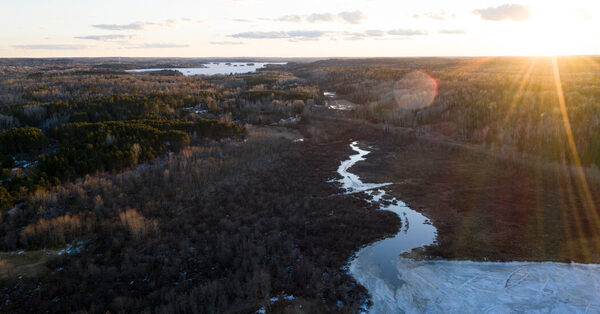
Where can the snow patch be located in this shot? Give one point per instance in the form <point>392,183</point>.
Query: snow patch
<point>402,285</point>
<point>466,286</point>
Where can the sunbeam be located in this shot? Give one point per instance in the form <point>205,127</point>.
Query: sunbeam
<point>581,181</point>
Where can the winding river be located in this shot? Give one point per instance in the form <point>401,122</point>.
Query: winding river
<point>403,285</point>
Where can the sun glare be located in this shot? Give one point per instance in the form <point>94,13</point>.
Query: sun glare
<point>553,31</point>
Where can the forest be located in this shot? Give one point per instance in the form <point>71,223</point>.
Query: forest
<point>159,192</point>
<point>505,103</point>
<point>61,121</point>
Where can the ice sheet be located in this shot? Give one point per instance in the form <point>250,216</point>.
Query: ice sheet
<point>400,285</point>
<point>466,287</point>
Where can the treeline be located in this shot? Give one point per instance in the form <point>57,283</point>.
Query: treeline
<point>22,140</point>
<point>82,148</point>
<point>57,82</point>
<point>104,146</point>
<point>505,103</point>
<point>97,109</point>
<point>242,105</point>
<point>63,95</point>
<point>199,128</point>
<point>256,95</point>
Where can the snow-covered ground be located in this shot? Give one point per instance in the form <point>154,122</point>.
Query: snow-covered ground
<point>400,285</point>
<point>489,287</point>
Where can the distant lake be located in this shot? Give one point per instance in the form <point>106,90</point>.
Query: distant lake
<point>213,68</point>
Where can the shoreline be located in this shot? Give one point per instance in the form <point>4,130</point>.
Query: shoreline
<point>486,208</point>
<point>461,191</point>
<point>399,283</point>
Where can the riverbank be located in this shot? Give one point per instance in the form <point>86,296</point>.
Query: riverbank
<point>400,284</point>
<point>488,208</point>
<point>375,265</point>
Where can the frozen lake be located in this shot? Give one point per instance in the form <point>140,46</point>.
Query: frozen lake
<point>402,285</point>
<point>217,68</point>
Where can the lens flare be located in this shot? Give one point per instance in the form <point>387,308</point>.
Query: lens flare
<point>415,90</point>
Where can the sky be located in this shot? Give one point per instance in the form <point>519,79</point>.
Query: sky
<point>307,28</point>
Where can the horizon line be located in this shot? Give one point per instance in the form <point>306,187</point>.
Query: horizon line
<point>326,57</point>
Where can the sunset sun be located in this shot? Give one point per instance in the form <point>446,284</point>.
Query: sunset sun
<point>554,31</point>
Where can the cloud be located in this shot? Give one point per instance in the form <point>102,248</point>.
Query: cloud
<point>407,32</point>
<point>350,17</point>
<point>156,45</point>
<point>438,15</point>
<point>113,37</point>
<point>452,31</point>
<point>515,12</point>
<point>260,35</point>
<point>441,15</point>
<point>226,43</point>
<point>435,16</point>
<point>170,23</point>
<point>290,18</point>
<point>372,33</point>
<point>50,47</point>
<point>320,17</point>
<point>189,20</point>
<point>140,26</point>
<point>354,17</point>
<point>242,20</point>
<point>306,34</point>
<point>292,35</point>
<point>318,34</point>
<point>126,27</point>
